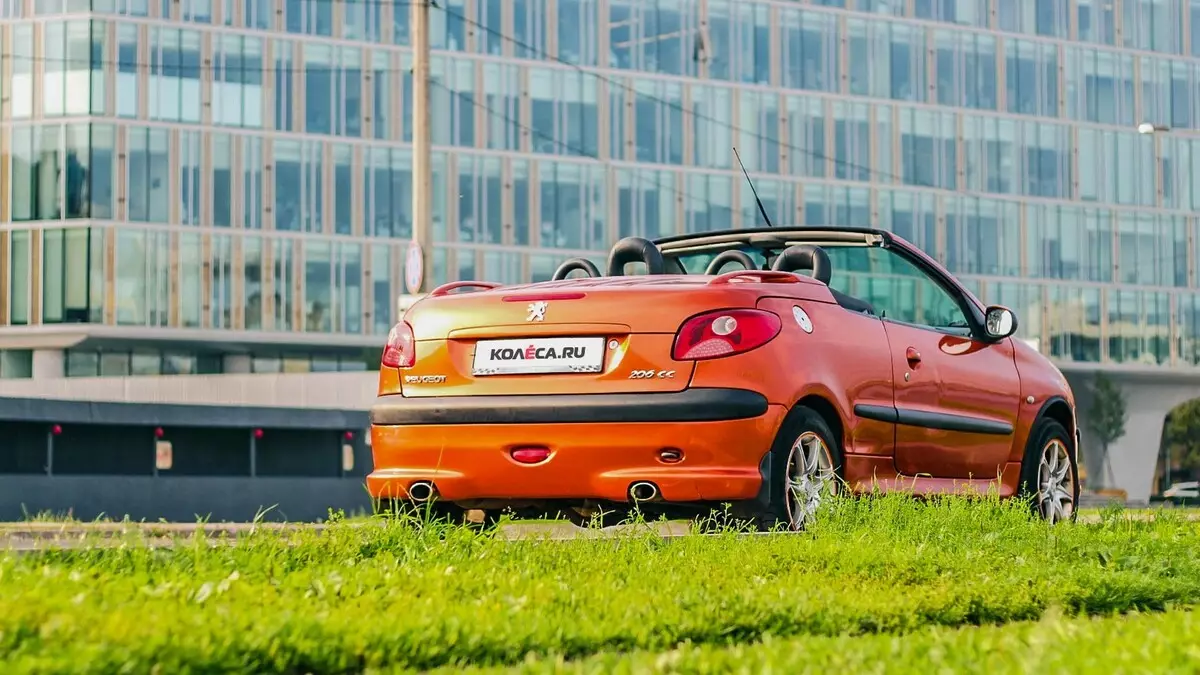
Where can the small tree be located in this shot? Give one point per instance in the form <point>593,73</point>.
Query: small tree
<point>1107,415</point>
<point>1183,437</point>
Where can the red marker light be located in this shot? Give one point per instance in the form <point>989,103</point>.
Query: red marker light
<point>530,455</point>
<point>56,429</point>
<point>158,432</point>
<point>258,433</point>
<point>349,435</point>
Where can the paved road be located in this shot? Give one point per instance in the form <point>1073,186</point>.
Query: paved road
<point>33,537</point>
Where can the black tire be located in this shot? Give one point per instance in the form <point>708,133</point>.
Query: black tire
<point>1045,432</point>
<point>799,422</point>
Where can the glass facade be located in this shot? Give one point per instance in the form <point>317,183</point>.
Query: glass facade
<point>245,164</point>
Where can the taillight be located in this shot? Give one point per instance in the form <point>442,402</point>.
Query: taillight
<point>724,333</point>
<point>401,349</point>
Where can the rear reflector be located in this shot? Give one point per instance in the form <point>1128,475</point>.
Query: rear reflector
<point>530,455</point>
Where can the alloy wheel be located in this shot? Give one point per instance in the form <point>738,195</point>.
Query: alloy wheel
<point>1056,482</point>
<point>809,476</point>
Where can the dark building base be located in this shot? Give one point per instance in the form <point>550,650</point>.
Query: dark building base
<point>180,500</point>
<point>179,463</point>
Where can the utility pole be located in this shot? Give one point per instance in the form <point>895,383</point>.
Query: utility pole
<point>422,158</point>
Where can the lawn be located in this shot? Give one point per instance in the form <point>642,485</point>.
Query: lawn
<point>876,585</point>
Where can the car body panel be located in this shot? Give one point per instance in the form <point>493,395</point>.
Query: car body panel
<point>587,461</point>
<point>1042,387</point>
<point>956,405</point>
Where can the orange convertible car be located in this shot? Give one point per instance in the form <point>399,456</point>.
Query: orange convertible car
<point>755,367</point>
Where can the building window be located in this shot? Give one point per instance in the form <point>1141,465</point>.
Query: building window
<point>16,364</point>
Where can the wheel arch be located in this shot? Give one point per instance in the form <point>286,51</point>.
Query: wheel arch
<point>827,411</point>
<point>1057,409</point>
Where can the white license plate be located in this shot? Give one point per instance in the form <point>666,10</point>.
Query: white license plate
<point>539,356</point>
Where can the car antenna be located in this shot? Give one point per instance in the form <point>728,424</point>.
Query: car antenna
<point>761,209</point>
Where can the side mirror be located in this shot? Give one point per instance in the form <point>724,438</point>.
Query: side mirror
<point>1000,322</point>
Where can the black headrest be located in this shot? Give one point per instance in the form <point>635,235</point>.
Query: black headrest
<point>635,249</point>
<point>805,256</point>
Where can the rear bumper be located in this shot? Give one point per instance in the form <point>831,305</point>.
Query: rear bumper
<point>689,405</point>
<point>469,460</point>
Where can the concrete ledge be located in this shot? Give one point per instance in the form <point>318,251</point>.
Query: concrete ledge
<point>336,391</point>
<point>177,415</point>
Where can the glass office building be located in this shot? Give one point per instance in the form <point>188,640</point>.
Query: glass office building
<point>241,168</point>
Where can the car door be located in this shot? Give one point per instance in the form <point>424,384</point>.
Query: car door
<point>956,397</point>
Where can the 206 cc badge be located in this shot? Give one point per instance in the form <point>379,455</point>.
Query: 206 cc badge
<point>802,319</point>
<point>537,311</point>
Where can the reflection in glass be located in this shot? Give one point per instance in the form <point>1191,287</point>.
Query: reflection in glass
<point>758,142</point>
<point>502,116</point>
<point>712,127</point>
<point>23,58</point>
<point>252,183</point>
<point>529,29</point>
<point>148,175</point>
<point>220,156</point>
<point>100,170</point>
<point>577,35</point>
<point>521,187</point>
<point>220,284</point>
<point>381,289</point>
<point>318,290</point>
<point>387,190</point>
<point>66,275</point>
<point>142,277</point>
<point>1138,327</point>
<point>1188,328</point>
<point>807,127</point>
<point>285,87</point>
<point>298,186</point>
<point>189,178</point>
<point>237,88</point>
<point>252,283</point>
<point>66,82</point>
<point>349,277</point>
<point>128,84</point>
<point>20,280</point>
<point>174,92</point>
<point>189,280</point>
<point>343,189</point>
<point>708,203</point>
<point>979,236</point>
<point>283,254</point>
<point>1073,316</point>
<point>645,203</point>
<point>809,47</point>
<point>480,205</point>
<point>382,94</point>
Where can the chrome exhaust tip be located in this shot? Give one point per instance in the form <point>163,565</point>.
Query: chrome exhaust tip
<point>421,491</point>
<point>643,491</point>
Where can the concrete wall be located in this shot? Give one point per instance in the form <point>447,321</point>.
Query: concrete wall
<point>1132,458</point>
<point>339,391</point>
<point>180,499</point>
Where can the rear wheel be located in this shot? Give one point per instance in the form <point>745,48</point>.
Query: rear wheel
<point>806,464</point>
<point>1049,474</point>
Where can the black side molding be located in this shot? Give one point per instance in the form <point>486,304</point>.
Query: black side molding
<point>689,405</point>
<point>931,420</point>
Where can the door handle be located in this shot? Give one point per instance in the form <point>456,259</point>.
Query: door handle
<point>912,355</point>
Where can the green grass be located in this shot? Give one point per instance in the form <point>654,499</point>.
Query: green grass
<point>405,595</point>
<point>1139,643</point>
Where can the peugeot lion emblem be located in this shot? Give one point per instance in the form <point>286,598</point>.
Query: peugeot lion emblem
<point>537,311</point>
